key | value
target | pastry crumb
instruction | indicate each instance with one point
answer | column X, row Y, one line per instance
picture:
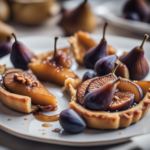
column 43, row 133
column 56, row 130
column 120, row 132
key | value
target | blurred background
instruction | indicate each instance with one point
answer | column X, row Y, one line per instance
column 128, row 18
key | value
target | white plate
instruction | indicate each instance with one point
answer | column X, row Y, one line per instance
column 111, row 12
column 90, row 137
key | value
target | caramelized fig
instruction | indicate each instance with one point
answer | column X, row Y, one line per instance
column 5, row 47
column 105, row 65
column 20, row 55
column 96, row 83
column 51, row 70
column 71, row 121
column 97, row 52
column 139, row 7
column 100, row 99
column 145, row 85
column 129, row 86
column 136, row 62
column 26, row 84
column 122, row 70
column 89, row 75
column 121, row 101
column 81, row 18
column 63, row 54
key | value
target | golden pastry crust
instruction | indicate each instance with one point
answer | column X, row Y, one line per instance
column 15, row 101
column 109, row 120
column 81, row 42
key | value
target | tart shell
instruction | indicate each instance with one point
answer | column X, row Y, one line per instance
column 108, row 120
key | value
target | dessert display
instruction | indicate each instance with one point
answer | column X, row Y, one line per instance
column 19, row 89
column 110, row 96
column 52, row 69
column 136, row 10
column 74, row 20
column 81, row 42
column 5, row 47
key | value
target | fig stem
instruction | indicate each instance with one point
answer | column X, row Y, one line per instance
column 118, row 79
column 145, row 38
column 116, row 66
column 8, row 38
column 14, row 37
column 55, row 47
column 104, row 30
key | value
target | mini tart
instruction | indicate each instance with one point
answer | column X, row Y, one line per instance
column 104, row 119
column 81, row 42
column 15, row 101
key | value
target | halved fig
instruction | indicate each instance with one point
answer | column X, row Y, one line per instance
column 81, row 42
column 64, row 57
column 122, row 70
column 121, row 101
column 50, row 71
column 145, row 85
column 81, row 91
column 129, row 86
column 26, row 84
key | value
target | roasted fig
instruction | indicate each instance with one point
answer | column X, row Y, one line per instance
column 100, row 99
column 138, row 6
column 89, row 75
column 136, row 62
column 129, row 86
column 26, row 84
column 122, row 70
column 5, row 47
column 97, row 82
column 71, row 121
column 20, row 55
column 105, row 65
column 80, row 18
column 121, row 101
column 51, row 69
column 97, row 52
column 145, row 85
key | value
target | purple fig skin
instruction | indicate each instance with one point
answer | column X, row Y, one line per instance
column 89, row 75
column 71, row 121
column 94, row 54
column 20, row 55
column 97, row 52
column 136, row 63
column 105, row 65
column 5, row 47
column 138, row 6
column 100, row 99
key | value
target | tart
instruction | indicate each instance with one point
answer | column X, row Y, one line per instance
column 108, row 120
column 81, row 42
column 20, row 89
